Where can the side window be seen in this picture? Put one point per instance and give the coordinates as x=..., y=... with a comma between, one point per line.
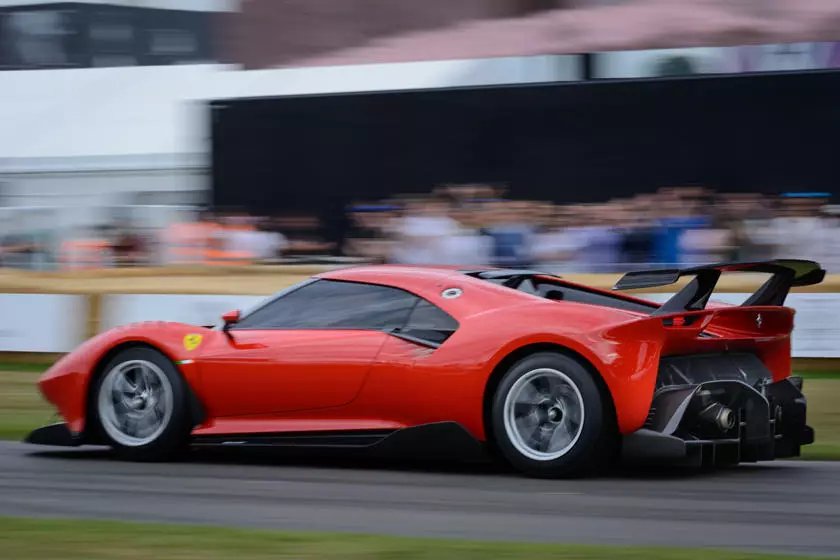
x=330, y=304
x=429, y=322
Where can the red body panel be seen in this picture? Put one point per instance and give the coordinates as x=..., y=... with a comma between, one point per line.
x=292, y=381
x=269, y=372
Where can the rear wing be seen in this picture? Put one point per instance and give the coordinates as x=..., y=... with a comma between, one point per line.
x=786, y=273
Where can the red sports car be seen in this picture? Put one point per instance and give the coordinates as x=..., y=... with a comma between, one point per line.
x=553, y=376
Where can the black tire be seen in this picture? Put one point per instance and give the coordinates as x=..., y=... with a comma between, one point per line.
x=174, y=434
x=588, y=453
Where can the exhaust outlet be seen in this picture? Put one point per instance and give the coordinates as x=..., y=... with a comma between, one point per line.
x=725, y=419
x=722, y=417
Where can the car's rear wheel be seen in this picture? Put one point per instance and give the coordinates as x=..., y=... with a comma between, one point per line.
x=549, y=417
x=140, y=405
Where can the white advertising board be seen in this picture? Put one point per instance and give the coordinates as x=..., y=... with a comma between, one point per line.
x=42, y=322
x=816, y=332
x=118, y=310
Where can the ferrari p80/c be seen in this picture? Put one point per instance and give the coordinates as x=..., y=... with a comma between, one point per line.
x=554, y=377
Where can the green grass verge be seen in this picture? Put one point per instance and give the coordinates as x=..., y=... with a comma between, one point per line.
x=22, y=408
x=30, y=539
x=823, y=396
x=33, y=368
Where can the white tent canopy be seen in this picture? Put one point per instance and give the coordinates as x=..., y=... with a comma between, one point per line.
x=80, y=117
x=156, y=116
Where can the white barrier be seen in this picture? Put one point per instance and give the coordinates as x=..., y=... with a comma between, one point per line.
x=125, y=309
x=41, y=322
x=56, y=323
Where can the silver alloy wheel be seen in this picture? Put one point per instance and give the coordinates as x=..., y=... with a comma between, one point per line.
x=543, y=414
x=135, y=403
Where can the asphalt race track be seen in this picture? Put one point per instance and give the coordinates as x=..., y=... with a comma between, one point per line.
x=783, y=506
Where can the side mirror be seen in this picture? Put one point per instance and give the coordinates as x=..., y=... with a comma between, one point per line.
x=230, y=318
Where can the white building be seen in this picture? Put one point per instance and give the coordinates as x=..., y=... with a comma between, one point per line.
x=82, y=141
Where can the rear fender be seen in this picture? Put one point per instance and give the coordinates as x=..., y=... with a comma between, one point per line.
x=763, y=331
x=627, y=366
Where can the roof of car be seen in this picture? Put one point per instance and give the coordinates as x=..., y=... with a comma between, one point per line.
x=424, y=278
x=418, y=277
x=387, y=273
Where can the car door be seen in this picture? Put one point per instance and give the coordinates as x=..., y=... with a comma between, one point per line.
x=310, y=348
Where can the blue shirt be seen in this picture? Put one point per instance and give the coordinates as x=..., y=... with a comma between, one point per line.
x=667, y=250
x=511, y=245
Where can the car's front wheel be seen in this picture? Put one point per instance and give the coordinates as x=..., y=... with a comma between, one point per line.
x=140, y=407
x=549, y=417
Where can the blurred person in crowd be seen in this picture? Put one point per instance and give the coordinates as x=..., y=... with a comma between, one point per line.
x=753, y=235
x=467, y=195
x=512, y=234
x=456, y=195
x=256, y=238
x=679, y=209
x=91, y=248
x=831, y=246
x=715, y=241
x=266, y=243
x=304, y=234
x=638, y=235
x=218, y=244
x=557, y=244
x=129, y=247
x=496, y=191
x=368, y=236
x=187, y=241
x=420, y=235
x=600, y=238
x=608, y=239
x=801, y=228
x=466, y=246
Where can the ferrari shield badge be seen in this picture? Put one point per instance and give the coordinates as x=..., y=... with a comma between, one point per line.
x=192, y=341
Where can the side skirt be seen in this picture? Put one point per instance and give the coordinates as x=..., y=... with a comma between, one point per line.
x=57, y=434
x=444, y=440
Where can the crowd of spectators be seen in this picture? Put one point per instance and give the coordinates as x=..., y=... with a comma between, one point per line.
x=478, y=225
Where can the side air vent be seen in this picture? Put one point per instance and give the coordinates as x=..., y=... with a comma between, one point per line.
x=651, y=415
